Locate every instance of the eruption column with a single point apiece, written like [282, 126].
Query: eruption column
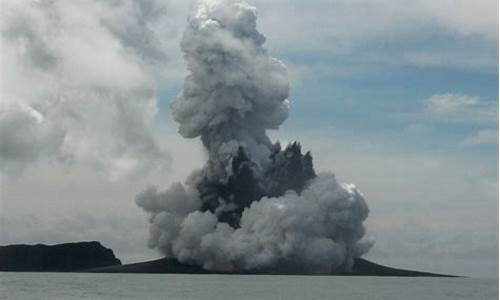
[254, 206]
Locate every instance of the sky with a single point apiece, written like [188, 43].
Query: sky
[397, 97]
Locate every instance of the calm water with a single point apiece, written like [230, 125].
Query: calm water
[164, 286]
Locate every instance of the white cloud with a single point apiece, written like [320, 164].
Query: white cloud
[446, 103]
[459, 108]
[463, 17]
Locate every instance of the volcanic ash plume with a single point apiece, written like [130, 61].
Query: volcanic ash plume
[254, 206]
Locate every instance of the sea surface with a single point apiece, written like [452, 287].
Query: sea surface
[69, 286]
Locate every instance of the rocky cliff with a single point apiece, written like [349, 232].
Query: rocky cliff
[56, 258]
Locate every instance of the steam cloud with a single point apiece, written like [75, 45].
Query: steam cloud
[78, 84]
[254, 206]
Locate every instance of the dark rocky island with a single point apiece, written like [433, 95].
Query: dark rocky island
[361, 267]
[56, 258]
[95, 258]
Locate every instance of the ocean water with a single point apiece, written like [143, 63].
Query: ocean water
[69, 286]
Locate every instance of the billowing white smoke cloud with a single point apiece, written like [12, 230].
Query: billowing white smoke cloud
[235, 90]
[78, 84]
[316, 231]
[253, 206]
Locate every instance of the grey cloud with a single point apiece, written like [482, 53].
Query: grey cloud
[482, 137]
[79, 84]
[25, 136]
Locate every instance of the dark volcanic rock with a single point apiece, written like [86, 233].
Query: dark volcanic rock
[163, 265]
[365, 267]
[57, 258]
[289, 169]
[361, 267]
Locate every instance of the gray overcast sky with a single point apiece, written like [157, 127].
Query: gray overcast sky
[398, 97]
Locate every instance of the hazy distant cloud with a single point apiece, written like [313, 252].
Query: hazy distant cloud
[458, 108]
[466, 57]
[78, 83]
[424, 33]
[482, 137]
[364, 18]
